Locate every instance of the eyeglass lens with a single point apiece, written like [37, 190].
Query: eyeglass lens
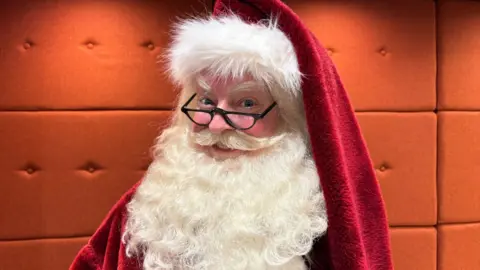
[239, 121]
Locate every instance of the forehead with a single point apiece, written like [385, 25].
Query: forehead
[230, 85]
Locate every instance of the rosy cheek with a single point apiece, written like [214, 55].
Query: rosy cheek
[198, 118]
[264, 128]
[258, 130]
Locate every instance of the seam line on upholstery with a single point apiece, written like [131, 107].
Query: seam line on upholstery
[453, 223]
[44, 238]
[411, 226]
[86, 110]
[437, 136]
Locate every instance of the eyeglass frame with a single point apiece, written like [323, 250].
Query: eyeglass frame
[224, 113]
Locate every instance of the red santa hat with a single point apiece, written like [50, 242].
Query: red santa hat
[266, 39]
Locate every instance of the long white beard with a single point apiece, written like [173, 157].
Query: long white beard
[252, 212]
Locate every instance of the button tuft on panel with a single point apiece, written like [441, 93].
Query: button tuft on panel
[149, 45]
[383, 51]
[384, 167]
[91, 167]
[330, 51]
[90, 44]
[28, 44]
[30, 168]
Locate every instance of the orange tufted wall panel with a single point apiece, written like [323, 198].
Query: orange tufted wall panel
[82, 98]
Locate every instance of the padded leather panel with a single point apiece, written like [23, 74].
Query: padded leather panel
[403, 150]
[459, 55]
[385, 51]
[39, 254]
[459, 170]
[70, 169]
[414, 248]
[458, 246]
[73, 54]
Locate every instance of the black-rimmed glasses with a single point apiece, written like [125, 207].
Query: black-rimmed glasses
[237, 120]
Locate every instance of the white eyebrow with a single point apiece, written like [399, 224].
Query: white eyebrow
[245, 86]
[204, 85]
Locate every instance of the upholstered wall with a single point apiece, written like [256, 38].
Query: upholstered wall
[82, 97]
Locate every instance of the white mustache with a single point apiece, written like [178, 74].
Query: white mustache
[234, 140]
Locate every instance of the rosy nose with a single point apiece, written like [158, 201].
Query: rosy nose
[218, 124]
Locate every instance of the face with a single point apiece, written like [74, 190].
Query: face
[235, 95]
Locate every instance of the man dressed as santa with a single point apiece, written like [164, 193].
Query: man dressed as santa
[263, 165]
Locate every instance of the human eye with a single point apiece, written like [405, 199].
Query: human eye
[248, 103]
[205, 102]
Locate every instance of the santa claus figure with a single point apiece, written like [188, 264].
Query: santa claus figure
[263, 166]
